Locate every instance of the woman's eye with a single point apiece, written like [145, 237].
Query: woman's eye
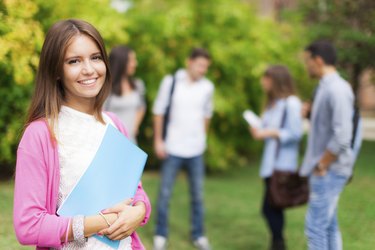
[73, 61]
[97, 57]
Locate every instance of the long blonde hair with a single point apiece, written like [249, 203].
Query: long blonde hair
[49, 91]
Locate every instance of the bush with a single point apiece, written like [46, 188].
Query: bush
[20, 37]
[162, 33]
[241, 44]
[22, 27]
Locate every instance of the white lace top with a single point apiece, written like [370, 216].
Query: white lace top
[79, 136]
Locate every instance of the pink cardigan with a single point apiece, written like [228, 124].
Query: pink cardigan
[36, 190]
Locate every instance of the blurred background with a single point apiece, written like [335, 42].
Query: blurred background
[243, 37]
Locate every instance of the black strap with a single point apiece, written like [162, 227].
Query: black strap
[355, 120]
[168, 109]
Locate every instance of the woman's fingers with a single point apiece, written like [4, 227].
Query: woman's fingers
[120, 235]
[119, 207]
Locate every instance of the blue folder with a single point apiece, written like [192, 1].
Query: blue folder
[112, 176]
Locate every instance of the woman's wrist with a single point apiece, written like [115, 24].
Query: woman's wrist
[269, 133]
[141, 208]
[112, 217]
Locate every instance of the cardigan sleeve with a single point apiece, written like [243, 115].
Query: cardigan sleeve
[33, 223]
[140, 194]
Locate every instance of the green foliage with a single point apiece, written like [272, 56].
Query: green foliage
[22, 28]
[162, 33]
[350, 26]
[20, 37]
[111, 24]
[241, 44]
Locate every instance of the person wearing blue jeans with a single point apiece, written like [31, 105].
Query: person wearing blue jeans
[195, 170]
[329, 156]
[322, 211]
[188, 97]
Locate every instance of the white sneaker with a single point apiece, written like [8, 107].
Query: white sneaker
[202, 243]
[160, 243]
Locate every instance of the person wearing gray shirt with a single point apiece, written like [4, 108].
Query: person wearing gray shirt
[329, 157]
[127, 97]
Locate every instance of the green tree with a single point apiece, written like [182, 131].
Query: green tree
[22, 27]
[350, 25]
[20, 40]
[110, 23]
[162, 33]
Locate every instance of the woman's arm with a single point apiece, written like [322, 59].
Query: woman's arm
[141, 197]
[91, 225]
[33, 222]
[138, 119]
[292, 130]
[130, 217]
[262, 133]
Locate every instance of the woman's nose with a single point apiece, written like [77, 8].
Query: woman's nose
[88, 68]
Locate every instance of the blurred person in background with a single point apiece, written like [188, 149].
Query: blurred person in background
[281, 131]
[127, 98]
[331, 149]
[188, 96]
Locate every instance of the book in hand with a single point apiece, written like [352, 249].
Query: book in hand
[252, 119]
[112, 176]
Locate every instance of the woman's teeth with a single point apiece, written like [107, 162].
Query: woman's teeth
[87, 82]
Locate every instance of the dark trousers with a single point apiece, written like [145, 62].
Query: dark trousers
[273, 216]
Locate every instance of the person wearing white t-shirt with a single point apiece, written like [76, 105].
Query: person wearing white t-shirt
[190, 111]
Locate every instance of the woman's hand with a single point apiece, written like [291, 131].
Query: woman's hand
[160, 151]
[256, 133]
[261, 134]
[129, 219]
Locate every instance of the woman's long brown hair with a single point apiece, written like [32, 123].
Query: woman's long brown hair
[282, 84]
[118, 62]
[49, 91]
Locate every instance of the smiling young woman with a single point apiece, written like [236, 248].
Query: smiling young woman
[63, 131]
[84, 73]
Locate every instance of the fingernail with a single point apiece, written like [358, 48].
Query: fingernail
[100, 234]
[103, 211]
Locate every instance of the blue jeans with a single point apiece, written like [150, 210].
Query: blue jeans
[321, 226]
[195, 170]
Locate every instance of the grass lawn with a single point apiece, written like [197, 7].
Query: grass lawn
[233, 220]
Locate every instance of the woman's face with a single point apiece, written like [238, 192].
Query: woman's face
[266, 83]
[84, 72]
[132, 64]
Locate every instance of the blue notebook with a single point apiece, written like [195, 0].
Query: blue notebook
[112, 176]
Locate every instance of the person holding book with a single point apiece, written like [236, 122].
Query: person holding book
[127, 99]
[186, 99]
[63, 131]
[281, 130]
